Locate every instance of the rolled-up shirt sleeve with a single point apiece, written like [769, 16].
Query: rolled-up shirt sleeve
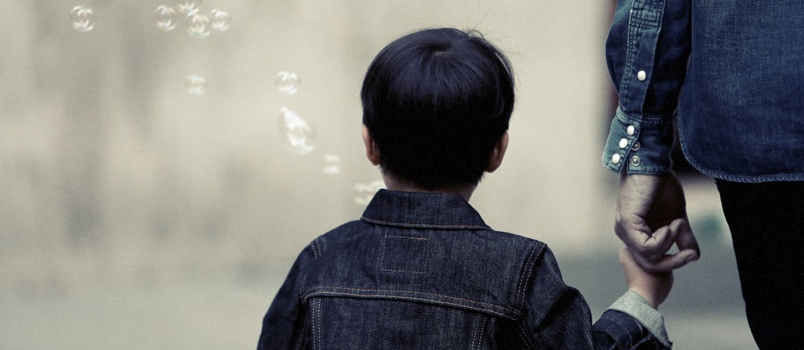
[646, 51]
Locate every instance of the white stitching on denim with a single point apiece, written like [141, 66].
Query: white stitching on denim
[404, 271]
[373, 221]
[320, 321]
[385, 246]
[525, 339]
[409, 237]
[316, 248]
[480, 331]
[474, 331]
[483, 330]
[314, 323]
[519, 289]
[531, 272]
[514, 311]
[408, 298]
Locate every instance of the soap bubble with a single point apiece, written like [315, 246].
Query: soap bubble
[298, 132]
[220, 20]
[188, 7]
[83, 18]
[332, 164]
[363, 193]
[166, 18]
[198, 25]
[196, 85]
[287, 82]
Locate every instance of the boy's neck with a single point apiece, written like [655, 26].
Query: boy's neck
[394, 184]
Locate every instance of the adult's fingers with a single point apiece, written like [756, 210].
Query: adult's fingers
[651, 254]
[686, 239]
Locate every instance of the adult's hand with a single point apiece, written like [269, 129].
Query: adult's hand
[651, 216]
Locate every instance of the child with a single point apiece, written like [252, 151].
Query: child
[420, 269]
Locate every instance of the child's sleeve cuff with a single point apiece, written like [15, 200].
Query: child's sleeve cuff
[634, 305]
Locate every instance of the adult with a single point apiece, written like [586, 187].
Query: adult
[740, 120]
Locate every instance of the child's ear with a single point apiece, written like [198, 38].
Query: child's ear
[498, 153]
[372, 152]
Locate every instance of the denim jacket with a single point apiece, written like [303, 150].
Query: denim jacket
[423, 271]
[741, 66]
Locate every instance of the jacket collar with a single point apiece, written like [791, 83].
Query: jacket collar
[422, 210]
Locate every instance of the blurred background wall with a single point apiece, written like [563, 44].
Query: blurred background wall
[137, 211]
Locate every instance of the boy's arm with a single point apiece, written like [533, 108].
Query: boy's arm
[557, 316]
[283, 325]
[646, 292]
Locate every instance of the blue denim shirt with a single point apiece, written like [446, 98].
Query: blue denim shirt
[741, 66]
[423, 271]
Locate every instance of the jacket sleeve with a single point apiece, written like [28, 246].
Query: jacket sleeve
[283, 325]
[556, 316]
[646, 52]
[631, 323]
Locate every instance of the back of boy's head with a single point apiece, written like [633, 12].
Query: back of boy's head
[436, 102]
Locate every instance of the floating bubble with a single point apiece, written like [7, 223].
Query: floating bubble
[188, 7]
[196, 85]
[83, 18]
[287, 82]
[365, 192]
[298, 132]
[166, 18]
[220, 20]
[332, 164]
[198, 25]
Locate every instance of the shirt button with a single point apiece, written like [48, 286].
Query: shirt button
[641, 75]
[635, 161]
[615, 158]
[637, 146]
[623, 143]
[630, 130]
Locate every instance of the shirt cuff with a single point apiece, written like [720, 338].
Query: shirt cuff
[643, 144]
[634, 305]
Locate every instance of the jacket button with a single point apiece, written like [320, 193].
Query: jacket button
[635, 161]
[630, 130]
[637, 146]
[615, 158]
[623, 143]
[641, 75]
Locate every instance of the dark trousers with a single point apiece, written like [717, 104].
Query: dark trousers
[767, 226]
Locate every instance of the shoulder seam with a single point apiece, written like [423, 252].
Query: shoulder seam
[527, 271]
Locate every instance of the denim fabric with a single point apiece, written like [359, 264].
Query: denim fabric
[741, 113]
[423, 271]
[646, 52]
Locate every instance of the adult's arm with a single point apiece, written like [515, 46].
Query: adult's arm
[646, 51]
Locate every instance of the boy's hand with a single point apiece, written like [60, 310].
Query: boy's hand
[654, 287]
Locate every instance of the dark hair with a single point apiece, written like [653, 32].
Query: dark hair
[436, 101]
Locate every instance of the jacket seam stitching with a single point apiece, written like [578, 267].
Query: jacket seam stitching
[325, 293]
[523, 280]
[412, 292]
[525, 339]
[456, 226]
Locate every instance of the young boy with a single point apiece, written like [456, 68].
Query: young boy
[420, 269]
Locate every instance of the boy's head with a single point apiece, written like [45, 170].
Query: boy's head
[436, 103]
